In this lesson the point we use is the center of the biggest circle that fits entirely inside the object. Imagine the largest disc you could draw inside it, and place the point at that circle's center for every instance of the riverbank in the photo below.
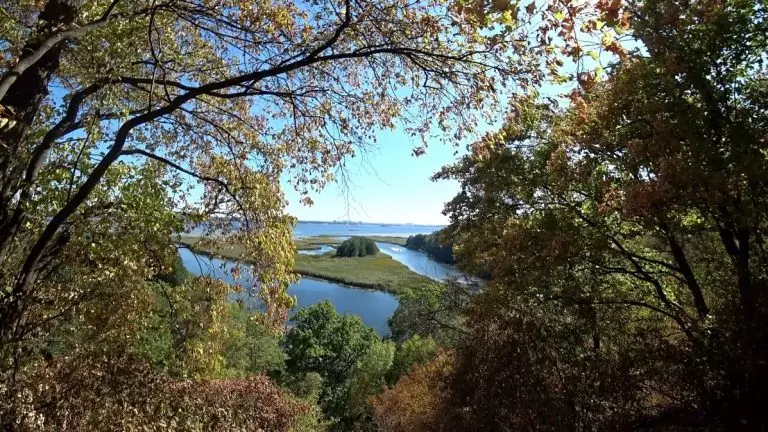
(380, 272)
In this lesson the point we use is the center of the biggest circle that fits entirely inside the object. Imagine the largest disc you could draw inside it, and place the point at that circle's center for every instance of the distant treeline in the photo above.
(432, 244)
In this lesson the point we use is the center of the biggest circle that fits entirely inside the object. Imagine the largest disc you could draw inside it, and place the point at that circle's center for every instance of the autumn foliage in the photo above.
(90, 392)
(414, 403)
(618, 211)
(625, 240)
(123, 123)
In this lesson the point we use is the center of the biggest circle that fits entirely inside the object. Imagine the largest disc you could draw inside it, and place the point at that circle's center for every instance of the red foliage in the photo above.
(101, 393)
(412, 405)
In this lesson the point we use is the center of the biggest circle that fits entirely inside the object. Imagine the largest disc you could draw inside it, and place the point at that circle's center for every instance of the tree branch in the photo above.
(224, 185)
(9, 228)
(48, 44)
(690, 278)
(30, 269)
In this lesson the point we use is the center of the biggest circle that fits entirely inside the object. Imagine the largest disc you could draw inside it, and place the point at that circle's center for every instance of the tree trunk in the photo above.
(685, 268)
(22, 103)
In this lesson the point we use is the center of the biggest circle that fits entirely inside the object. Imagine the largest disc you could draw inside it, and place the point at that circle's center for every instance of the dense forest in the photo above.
(434, 244)
(617, 205)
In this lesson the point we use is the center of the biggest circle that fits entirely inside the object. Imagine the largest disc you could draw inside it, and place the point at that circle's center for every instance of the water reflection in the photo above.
(420, 262)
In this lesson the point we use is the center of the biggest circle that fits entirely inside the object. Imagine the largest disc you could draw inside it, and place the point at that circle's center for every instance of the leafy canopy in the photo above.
(335, 347)
(624, 238)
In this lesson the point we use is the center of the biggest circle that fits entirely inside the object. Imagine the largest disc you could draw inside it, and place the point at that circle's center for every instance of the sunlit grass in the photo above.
(377, 272)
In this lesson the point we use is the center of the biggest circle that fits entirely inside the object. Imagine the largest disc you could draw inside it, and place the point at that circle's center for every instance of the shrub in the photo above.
(96, 392)
(415, 403)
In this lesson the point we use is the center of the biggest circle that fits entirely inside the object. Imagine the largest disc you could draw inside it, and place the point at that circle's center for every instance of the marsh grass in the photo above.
(379, 272)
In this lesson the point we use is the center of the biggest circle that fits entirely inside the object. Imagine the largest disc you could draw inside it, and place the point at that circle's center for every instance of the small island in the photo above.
(376, 271)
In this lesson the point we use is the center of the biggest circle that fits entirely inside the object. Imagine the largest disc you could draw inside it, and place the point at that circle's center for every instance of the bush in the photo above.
(357, 247)
(415, 403)
(97, 392)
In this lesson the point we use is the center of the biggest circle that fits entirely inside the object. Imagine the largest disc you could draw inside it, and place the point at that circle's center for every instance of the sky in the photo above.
(392, 186)
(388, 185)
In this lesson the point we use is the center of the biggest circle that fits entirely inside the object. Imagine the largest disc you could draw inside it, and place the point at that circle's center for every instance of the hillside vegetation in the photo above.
(611, 187)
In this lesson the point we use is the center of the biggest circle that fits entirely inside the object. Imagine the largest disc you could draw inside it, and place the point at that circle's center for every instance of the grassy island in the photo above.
(313, 243)
(379, 271)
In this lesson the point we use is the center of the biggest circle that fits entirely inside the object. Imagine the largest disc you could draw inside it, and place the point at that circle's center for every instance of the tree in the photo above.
(117, 391)
(227, 94)
(434, 244)
(250, 347)
(437, 311)
(357, 247)
(112, 113)
(368, 382)
(413, 404)
(308, 387)
(414, 351)
(177, 274)
(415, 242)
(623, 237)
(193, 330)
(159, 355)
(333, 346)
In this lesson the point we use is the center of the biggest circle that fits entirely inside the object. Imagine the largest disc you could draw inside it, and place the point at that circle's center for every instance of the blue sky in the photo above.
(388, 185)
